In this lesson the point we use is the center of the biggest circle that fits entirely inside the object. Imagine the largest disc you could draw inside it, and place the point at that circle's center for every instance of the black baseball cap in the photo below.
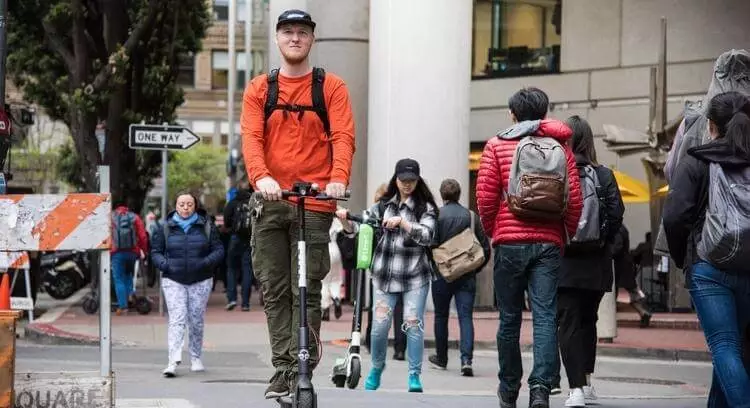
(295, 17)
(407, 170)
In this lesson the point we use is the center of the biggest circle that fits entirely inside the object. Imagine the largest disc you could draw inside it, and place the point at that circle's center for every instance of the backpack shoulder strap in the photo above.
(318, 98)
(471, 214)
(272, 94)
(165, 227)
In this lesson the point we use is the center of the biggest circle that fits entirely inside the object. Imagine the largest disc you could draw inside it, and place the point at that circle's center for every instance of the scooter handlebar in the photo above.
(318, 196)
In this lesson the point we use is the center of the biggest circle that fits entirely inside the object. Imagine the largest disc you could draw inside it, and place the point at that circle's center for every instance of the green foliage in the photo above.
(199, 170)
(33, 166)
(67, 167)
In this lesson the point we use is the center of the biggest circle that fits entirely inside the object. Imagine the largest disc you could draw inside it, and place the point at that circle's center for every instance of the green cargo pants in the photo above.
(274, 243)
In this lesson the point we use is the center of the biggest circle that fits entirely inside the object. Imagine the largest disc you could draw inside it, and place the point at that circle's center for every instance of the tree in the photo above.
(199, 170)
(115, 62)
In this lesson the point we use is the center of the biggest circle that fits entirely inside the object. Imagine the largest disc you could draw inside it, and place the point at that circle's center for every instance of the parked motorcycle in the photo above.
(64, 273)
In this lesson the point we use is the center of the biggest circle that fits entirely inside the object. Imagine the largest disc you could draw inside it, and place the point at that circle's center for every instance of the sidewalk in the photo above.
(672, 336)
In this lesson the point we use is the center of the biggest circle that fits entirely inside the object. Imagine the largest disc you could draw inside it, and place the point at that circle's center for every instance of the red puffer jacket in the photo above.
(492, 180)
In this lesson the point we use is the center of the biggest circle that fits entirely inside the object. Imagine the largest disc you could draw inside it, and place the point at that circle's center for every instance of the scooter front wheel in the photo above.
(353, 380)
(305, 399)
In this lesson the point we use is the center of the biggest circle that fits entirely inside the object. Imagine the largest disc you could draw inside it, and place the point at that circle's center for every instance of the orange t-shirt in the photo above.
(291, 148)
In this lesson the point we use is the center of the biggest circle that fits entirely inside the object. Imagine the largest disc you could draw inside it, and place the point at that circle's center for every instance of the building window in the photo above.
(516, 37)
(186, 71)
(220, 68)
(221, 10)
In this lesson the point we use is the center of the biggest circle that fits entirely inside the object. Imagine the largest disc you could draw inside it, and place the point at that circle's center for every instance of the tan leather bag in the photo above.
(459, 255)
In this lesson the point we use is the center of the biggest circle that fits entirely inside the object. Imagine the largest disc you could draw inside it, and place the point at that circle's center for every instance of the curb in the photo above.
(601, 350)
(47, 334)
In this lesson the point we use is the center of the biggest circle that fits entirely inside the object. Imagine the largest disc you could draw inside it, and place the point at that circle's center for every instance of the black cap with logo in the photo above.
(295, 17)
(407, 170)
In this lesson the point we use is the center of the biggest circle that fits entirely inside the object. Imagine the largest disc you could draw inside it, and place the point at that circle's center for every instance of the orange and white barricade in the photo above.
(57, 222)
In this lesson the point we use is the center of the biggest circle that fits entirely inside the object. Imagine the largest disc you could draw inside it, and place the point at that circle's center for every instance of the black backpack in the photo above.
(318, 99)
(348, 249)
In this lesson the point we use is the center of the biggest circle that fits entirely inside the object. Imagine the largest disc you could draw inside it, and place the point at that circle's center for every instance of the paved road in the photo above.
(235, 378)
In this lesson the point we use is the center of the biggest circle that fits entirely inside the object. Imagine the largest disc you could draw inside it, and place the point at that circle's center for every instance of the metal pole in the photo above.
(249, 60)
(3, 49)
(105, 301)
(232, 77)
(164, 198)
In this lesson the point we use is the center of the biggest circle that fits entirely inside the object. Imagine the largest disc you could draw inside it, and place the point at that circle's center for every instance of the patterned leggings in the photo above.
(185, 304)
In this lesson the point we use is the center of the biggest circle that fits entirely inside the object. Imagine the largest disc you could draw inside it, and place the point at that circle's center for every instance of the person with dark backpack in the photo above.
(238, 218)
(707, 226)
(129, 243)
(585, 272)
(297, 126)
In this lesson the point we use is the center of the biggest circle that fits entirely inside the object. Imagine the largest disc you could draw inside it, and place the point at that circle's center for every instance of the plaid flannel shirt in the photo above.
(400, 261)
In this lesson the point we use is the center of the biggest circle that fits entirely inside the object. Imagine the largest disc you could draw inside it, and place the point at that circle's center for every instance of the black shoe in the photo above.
(399, 355)
(337, 308)
(437, 363)
(539, 398)
(279, 386)
(466, 370)
(326, 315)
(507, 399)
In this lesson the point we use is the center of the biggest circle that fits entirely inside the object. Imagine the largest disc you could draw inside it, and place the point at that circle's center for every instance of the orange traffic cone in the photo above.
(5, 292)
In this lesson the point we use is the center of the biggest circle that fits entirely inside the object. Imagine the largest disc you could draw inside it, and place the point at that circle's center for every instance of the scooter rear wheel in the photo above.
(90, 305)
(143, 306)
(353, 380)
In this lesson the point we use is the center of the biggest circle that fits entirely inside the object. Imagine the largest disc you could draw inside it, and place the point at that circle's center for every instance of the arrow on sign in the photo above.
(159, 137)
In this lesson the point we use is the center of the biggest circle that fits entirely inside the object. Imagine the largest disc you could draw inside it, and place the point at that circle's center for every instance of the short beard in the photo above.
(294, 60)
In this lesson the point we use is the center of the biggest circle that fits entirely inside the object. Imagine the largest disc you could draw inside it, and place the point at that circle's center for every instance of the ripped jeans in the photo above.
(414, 304)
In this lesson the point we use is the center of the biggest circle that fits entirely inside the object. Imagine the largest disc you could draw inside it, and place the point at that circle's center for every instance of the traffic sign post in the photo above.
(165, 138)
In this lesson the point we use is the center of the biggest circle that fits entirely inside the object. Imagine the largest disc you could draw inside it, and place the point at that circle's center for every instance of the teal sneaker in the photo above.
(373, 379)
(415, 385)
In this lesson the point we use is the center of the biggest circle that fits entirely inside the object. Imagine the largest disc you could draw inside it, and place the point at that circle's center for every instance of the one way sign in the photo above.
(160, 137)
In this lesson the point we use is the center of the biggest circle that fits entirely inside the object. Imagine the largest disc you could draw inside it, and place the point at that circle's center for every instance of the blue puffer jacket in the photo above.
(188, 257)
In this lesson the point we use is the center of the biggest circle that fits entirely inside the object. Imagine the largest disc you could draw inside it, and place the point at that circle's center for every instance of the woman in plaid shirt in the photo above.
(401, 266)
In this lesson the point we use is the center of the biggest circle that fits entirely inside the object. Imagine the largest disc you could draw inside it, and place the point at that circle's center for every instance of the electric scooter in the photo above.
(304, 394)
(347, 371)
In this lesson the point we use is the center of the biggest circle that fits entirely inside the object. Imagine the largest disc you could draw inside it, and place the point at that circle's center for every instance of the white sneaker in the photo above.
(588, 392)
(575, 398)
(196, 365)
(170, 371)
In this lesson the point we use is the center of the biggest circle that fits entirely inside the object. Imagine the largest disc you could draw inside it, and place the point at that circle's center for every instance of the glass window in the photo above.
(186, 71)
(220, 68)
(516, 37)
(221, 10)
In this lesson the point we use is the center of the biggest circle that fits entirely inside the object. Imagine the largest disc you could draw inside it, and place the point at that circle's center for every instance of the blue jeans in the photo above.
(722, 301)
(123, 267)
(414, 303)
(239, 260)
(464, 291)
(517, 267)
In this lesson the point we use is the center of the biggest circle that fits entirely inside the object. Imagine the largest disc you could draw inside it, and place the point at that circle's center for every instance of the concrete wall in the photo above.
(607, 49)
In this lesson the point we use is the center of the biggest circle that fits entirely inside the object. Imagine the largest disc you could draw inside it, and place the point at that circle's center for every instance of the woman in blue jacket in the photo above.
(186, 250)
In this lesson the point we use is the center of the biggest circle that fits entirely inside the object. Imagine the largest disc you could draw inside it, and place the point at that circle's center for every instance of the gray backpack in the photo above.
(123, 231)
(727, 223)
(538, 183)
(589, 232)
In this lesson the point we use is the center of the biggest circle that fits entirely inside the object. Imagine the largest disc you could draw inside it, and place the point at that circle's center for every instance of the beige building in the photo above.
(204, 76)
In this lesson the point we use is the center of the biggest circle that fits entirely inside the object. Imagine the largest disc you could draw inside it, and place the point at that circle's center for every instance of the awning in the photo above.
(633, 191)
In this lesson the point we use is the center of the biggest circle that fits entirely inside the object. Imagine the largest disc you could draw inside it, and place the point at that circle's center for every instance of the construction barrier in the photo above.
(19, 261)
(7, 355)
(47, 222)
